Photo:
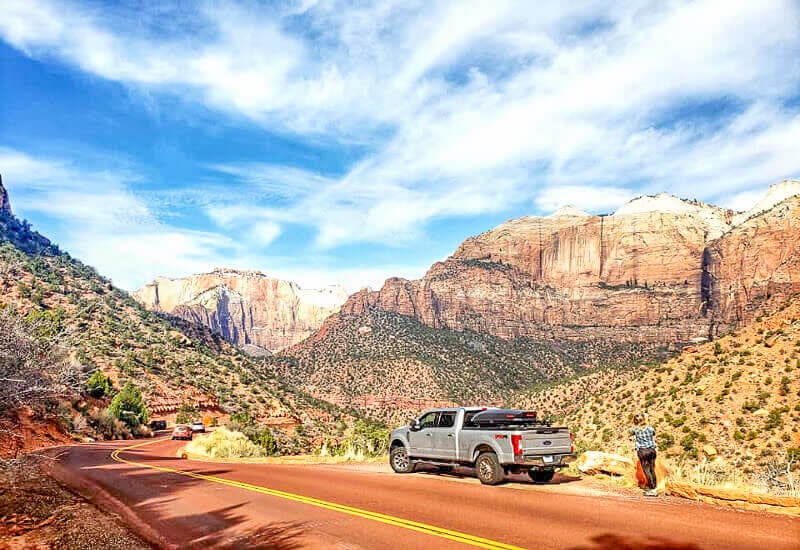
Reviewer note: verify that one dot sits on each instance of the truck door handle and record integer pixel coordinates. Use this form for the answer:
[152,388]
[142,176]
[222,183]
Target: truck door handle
[428,435]
[449,435]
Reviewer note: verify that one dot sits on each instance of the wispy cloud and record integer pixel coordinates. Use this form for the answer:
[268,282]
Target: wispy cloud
[102,221]
[464,112]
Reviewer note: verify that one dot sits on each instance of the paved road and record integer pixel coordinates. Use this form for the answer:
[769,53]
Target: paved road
[292,506]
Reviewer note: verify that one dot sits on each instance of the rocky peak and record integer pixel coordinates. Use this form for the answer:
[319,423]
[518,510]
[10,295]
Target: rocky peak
[776,194]
[569,211]
[717,220]
[245,307]
[5,203]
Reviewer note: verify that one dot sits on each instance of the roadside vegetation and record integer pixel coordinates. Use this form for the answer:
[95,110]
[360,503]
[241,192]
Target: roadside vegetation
[368,439]
[726,413]
[112,341]
[224,443]
[391,366]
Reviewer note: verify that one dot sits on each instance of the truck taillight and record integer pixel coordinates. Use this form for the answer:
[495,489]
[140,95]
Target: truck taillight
[572,442]
[516,444]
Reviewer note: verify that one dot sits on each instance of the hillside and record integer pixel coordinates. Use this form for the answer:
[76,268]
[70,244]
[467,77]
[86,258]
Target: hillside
[660,270]
[173,362]
[392,365]
[247,308]
[737,398]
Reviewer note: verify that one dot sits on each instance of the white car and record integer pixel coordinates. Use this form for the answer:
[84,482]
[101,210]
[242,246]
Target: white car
[198,427]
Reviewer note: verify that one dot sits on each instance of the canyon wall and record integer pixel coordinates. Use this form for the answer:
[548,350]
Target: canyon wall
[660,269]
[245,307]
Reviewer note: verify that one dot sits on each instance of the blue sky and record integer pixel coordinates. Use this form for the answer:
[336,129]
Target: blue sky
[343,142]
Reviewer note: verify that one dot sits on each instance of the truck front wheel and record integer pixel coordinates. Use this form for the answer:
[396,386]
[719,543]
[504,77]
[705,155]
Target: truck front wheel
[400,462]
[541,476]
[488,469]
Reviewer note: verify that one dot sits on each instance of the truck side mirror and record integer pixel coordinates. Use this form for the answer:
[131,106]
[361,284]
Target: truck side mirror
[414,425]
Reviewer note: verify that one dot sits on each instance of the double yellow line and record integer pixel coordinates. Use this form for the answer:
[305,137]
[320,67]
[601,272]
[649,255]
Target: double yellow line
[366,514]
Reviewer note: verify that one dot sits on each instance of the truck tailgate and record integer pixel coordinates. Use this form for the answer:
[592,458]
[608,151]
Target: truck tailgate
[546,441]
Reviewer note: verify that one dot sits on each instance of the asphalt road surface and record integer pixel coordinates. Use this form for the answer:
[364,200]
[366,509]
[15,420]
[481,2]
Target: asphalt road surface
[184,503]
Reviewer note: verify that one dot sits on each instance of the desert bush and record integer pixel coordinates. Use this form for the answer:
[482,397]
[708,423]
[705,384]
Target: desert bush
[369,439]
[778,476]
[224,443]
[142,431]
[128,405]
[33,369]
[108,426]
[187,413]
[266,441]
[99,385]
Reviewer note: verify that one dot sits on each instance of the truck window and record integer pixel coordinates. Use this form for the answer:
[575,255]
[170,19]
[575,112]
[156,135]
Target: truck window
[446,419]
[468,419]
[428,420]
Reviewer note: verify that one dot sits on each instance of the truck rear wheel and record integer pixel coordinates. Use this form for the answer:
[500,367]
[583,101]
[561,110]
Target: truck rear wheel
[488,469]
[541,476]
[400,462]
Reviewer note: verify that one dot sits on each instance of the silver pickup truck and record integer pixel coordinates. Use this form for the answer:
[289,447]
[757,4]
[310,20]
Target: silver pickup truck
[493,441]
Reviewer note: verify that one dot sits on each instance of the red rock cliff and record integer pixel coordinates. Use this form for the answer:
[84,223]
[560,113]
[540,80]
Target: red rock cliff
[646,273]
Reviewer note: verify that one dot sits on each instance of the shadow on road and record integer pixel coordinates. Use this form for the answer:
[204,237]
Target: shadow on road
[176,508]
[610,541]
[462,472]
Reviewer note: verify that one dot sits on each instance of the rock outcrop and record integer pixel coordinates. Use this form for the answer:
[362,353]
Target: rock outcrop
[660,269]
[755,267]
[246,307]
[5,203]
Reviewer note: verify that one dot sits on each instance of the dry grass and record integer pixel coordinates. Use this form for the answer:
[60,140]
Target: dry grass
[224,443]
[734,399]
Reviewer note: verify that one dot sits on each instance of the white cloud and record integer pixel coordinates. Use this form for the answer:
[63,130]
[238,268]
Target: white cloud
[263,233]
[467,111]
[584,197]
[104,223]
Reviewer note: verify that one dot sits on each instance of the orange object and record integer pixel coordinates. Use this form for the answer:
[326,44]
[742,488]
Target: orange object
[641,479]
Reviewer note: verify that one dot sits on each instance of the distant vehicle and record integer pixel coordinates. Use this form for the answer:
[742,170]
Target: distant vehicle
[182,432]
[198,427]
[493,441]
[158,424]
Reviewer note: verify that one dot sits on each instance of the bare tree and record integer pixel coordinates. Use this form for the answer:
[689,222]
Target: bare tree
[32,369]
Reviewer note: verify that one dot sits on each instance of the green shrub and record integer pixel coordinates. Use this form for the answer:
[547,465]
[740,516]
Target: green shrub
[369,439]
[99,385]
[128,406]
[187,413]
[266,441]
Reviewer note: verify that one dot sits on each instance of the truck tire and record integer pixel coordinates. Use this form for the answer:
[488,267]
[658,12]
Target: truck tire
[400,462]
[488,469]
[541,476]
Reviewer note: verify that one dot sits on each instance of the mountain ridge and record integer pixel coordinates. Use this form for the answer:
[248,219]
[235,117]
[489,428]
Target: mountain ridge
[246,307]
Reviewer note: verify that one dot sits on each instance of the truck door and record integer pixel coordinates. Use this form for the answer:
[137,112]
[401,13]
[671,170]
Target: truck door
[421,441]
[444,436]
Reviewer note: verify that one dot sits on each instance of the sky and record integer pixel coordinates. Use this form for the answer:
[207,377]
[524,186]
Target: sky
[342,142]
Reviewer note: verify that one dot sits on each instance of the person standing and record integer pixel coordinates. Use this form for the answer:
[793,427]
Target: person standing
[645,443]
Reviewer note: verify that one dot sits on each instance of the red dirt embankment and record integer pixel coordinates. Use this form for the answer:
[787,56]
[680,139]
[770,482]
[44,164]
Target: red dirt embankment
[25,430]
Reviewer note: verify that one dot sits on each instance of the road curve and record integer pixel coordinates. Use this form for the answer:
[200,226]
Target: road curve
[200,504]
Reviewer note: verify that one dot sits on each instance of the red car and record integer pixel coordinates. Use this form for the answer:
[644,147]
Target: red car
[182,432]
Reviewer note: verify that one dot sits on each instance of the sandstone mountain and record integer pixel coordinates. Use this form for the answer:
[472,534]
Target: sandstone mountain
[246,307]
[173,362]
[539,299]
[659,270]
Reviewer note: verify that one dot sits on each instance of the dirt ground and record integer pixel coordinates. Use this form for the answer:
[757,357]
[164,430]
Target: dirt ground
[37,512]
